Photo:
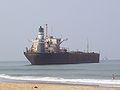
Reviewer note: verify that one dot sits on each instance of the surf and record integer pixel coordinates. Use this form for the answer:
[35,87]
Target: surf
[97,82]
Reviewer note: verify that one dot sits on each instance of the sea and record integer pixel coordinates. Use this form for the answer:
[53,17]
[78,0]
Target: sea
[98,74]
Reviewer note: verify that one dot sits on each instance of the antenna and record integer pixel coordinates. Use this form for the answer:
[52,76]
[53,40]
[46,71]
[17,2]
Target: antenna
[46,26]
[87,45]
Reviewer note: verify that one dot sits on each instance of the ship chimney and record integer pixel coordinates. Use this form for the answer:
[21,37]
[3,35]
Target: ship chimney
[40,47]
[41,33]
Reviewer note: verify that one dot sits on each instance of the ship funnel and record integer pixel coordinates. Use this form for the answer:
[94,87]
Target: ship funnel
[41,33]
[41,29]
[40,47]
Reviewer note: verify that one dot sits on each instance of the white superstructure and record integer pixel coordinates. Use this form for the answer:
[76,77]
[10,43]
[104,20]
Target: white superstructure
[46,44]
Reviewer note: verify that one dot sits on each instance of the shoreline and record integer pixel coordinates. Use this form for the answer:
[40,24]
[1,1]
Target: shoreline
[50,86]
[57,83]
[115,84]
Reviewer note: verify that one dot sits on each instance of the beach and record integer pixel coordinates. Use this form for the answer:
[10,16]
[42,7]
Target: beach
[39,86]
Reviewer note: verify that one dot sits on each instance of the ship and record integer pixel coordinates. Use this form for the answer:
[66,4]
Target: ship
[46,49]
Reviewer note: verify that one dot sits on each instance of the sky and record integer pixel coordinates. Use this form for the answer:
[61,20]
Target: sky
[78,20]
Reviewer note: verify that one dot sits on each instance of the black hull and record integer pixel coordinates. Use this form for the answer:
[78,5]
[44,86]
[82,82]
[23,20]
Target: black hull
[61,58]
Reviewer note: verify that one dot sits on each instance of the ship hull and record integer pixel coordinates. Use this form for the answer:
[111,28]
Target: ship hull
[61,58]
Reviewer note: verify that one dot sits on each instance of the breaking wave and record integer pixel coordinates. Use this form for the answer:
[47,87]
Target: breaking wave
[98,82]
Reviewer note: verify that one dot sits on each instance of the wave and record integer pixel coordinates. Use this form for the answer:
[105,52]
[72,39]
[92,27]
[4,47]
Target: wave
[98,82]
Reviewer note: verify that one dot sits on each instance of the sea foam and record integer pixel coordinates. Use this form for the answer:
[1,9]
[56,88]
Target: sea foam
[98,82]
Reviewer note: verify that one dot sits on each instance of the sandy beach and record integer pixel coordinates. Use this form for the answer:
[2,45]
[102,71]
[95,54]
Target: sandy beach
[28,86]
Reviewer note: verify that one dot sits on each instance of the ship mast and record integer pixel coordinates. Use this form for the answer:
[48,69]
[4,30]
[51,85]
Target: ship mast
[87,45]
[46,26]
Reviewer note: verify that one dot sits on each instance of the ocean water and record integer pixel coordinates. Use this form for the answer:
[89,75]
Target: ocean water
[87,74]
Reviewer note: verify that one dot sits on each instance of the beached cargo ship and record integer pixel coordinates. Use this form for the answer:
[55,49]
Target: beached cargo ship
[46,50]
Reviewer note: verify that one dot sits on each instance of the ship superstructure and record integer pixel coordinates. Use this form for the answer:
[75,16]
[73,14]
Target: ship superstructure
[46,49]
[46,44]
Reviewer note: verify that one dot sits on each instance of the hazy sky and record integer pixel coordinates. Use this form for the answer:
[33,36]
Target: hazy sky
[78,20]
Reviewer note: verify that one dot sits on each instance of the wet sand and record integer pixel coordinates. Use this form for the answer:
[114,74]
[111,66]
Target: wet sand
[29,86]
